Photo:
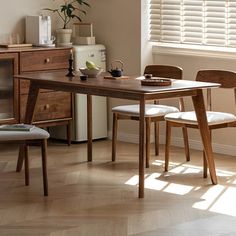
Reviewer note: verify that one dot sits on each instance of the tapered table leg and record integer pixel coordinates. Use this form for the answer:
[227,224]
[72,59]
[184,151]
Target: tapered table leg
[141,147]
[31,103]
[200,110]
[89,128]
[29,114]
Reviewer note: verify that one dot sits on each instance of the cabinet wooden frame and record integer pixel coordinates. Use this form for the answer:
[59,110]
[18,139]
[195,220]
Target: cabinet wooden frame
[15,62]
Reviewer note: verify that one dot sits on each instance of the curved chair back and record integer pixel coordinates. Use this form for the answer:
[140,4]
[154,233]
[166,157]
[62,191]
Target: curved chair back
[165,71]
[227,79]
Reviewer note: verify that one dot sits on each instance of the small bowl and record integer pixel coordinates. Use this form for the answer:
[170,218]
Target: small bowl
[83,77]
[91,73]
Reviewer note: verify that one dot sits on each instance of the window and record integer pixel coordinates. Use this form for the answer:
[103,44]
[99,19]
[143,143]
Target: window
[198,22]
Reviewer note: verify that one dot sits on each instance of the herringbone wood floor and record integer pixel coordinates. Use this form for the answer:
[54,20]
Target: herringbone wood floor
[100,198]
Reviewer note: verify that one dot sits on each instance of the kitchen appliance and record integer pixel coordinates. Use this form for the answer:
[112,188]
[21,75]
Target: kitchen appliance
[96,54]
[38,31]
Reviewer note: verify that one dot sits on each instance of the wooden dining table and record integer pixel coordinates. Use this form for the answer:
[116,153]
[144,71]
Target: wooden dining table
[128,88]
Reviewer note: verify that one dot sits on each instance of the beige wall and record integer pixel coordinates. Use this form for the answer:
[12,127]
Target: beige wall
[117,25]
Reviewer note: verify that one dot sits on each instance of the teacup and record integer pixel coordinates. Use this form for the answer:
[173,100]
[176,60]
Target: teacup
[51,41]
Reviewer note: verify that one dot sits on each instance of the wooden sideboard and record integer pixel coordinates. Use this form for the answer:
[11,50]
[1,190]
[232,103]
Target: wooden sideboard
[53,108]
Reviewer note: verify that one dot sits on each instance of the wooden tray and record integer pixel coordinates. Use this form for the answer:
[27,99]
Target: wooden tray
[116,78]
[156,82]
[16,45]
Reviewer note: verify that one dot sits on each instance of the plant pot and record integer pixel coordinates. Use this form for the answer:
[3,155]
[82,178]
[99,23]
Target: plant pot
[64,37]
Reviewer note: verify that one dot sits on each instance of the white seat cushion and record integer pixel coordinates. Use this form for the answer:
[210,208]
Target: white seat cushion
[35,133]
[151,110]
[213,118]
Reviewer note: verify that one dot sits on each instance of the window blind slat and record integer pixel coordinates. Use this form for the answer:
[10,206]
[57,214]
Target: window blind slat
[205,22]
[192,22]
[232,24]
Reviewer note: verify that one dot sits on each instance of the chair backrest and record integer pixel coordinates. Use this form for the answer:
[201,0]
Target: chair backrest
[227,79]
[165,71]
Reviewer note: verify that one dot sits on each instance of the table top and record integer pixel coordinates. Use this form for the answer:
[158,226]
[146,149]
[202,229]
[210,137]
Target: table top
[59,81]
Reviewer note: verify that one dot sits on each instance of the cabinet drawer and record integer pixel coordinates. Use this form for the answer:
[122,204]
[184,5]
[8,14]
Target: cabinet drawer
[50,106]
[44,60]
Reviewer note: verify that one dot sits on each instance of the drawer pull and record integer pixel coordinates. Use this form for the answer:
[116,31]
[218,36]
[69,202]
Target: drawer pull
[47,60]
[46,106]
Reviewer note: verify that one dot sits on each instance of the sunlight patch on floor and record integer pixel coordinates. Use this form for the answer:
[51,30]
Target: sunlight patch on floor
[179,189]
[217,198]
[209,197]
[226,203]
[185,168]
[132,181]
[152,182]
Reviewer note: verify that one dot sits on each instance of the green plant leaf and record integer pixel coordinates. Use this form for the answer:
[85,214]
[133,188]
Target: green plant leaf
[82,2]
[49,9]
[77,17]
[63,8]
[70,9]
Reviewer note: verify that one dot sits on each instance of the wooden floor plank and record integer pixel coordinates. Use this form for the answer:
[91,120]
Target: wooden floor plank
[100,198]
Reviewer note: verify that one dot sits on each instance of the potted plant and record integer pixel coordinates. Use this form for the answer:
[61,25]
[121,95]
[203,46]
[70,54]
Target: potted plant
[70,9]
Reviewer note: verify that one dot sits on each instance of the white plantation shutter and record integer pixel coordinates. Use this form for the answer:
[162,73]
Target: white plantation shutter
[232,23]
[215,22]
[200,22]
[171,20]
[192,22]
[155,20]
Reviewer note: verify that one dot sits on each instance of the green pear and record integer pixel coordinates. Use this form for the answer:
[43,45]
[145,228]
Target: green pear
[91,65]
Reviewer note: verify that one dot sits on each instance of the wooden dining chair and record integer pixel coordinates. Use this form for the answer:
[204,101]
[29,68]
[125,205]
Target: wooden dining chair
[216,120]
[153,112]
[35,136]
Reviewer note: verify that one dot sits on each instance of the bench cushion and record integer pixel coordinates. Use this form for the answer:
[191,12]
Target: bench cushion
[35,133]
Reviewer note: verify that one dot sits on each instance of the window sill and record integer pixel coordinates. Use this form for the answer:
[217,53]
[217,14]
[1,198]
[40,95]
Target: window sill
[193,50]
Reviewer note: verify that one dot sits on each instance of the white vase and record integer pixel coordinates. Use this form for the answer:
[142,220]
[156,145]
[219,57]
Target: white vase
[64,37]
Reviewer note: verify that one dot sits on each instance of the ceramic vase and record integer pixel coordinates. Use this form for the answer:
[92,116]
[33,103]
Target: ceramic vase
[64,37]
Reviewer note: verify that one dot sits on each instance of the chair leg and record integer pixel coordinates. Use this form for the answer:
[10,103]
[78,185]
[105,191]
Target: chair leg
[26,159]
[186,143]
[148,125]
[114,135]
[205,167]
[157,141]
[20,159]
[167,147]
[68,133]
[44,166]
